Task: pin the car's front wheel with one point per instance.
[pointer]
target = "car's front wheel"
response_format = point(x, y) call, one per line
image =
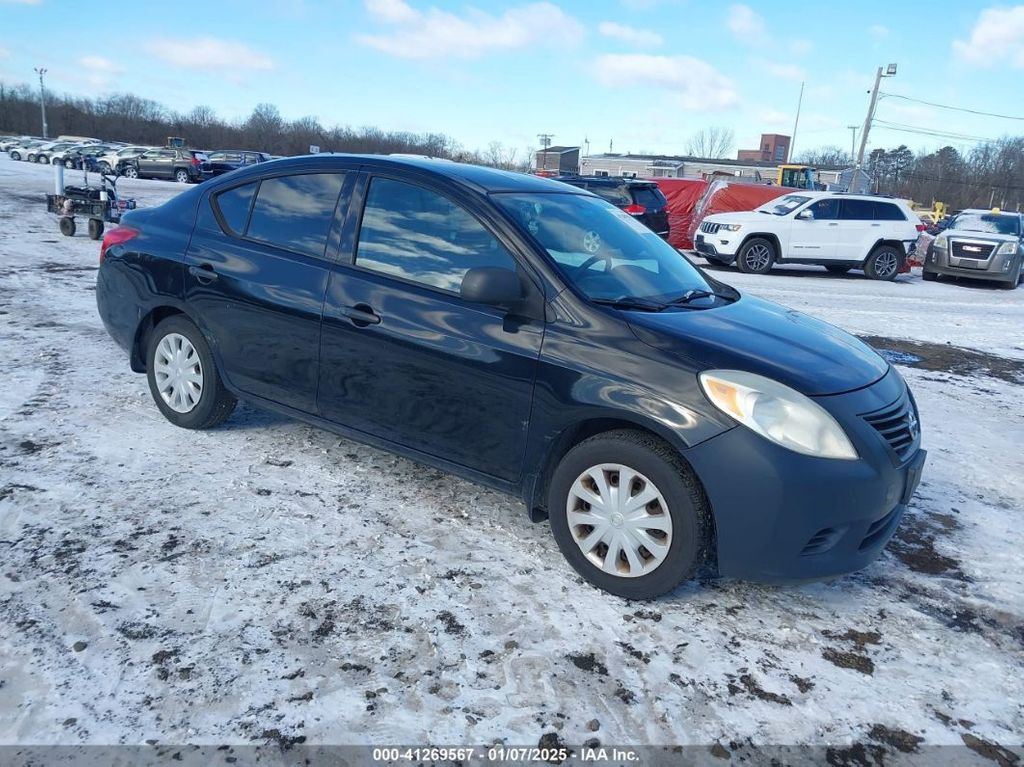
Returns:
point(628, 514)
point(756, 256)
point(183, 377)
point(929, 276)
point(181, 176)
point(130, 172)
point(884, 263)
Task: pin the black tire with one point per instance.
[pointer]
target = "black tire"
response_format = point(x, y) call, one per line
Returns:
point(836, 269)
point(95, 228)
point(686, 506)
point(181, 176)
point(215, 402)
point(67, 226)
point(15, 155)
point(756, 256)
point(884, 263)
point(130, 171)
point(929, 276)
point(43, 159)
point(105, 167)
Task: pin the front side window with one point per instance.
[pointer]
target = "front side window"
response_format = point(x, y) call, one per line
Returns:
point(825, 210)
point(296, 212)
point(857, 210)
point(616, 195)
point(416, 234)
point(602, 250)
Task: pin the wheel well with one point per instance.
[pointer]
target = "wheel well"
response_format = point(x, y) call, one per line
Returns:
point(150, 321)
point(773, 239)
point(565, 442)
point(892, 243)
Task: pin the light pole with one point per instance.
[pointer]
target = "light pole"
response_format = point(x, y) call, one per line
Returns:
point(853, 142)
point(890, 71)
point(545, 142)
point(42, 96)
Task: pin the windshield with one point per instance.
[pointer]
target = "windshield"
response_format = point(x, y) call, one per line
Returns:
point(603, 251)
point(783, 205)
point(991, 223)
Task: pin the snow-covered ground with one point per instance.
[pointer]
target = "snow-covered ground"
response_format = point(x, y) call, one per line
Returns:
point(267, 581)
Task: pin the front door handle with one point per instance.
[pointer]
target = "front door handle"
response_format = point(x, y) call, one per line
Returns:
point(361, 315)
point(204, 274)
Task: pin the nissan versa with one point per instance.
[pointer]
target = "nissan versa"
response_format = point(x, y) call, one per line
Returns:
point(530, 336)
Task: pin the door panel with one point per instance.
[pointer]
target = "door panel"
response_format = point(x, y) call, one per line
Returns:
point(857, 229)
point(262, 309)
point(816, 238)
point(405, 359)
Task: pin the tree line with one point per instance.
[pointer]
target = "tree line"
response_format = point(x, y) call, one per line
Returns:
point(989, 174)
point(134, 120)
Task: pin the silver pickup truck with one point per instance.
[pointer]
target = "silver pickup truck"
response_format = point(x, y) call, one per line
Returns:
point(980, 244)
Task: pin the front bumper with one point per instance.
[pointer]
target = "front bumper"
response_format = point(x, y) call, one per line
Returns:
point(780, 515)
point(720, 248)
point(997, 266)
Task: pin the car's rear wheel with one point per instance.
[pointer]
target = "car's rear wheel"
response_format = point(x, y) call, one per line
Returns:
point(884, 263)
point(836, 269)
point(756, 256)
point(130, 172)
point(181, 176)
point(183, 377)
point(628, 514)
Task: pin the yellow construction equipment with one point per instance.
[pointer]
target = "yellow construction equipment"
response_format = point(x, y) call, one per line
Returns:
point(796, 176)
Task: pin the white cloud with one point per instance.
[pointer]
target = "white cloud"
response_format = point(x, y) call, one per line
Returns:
point(22, 2)
point(439, 34)
point(784, 71)
point(997, 36)
point(774, 118)
point(98, 71)
point(695, 84)
point(211, 54)
point(878, 31)
point(641, 37)
point(4, 53)
point(745, 24)
point(800, 46)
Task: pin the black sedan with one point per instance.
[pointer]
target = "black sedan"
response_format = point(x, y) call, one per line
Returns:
point(530, 336)
point(224, 161)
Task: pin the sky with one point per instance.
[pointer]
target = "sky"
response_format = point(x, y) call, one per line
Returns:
point(644, 74)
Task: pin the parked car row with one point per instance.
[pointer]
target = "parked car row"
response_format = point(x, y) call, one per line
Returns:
point(131, 161)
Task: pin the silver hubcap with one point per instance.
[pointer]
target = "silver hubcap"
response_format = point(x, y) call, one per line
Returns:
point(619, 519)
point(758, 257)
point(178, 372)
point(886, 263)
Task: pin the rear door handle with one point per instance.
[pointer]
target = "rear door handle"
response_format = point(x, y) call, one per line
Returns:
point(361, 315)
point(204, 274)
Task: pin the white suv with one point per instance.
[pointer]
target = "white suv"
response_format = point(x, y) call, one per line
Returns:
point(836, 230)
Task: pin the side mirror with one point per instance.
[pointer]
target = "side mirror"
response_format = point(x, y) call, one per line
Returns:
point(492, 285)
point(805, 215)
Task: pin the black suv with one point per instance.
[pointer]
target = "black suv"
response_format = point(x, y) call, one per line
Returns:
point(180, 165)
point(640, 199)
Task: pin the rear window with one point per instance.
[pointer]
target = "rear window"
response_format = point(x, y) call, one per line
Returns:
point(233, 207)
point(886, 211)
point(857, 210)
point(616, 195)
point(649, 197)
point(296, 212)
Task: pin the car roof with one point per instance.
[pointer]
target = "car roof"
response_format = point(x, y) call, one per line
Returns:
point(481, 179)
point(606, 180)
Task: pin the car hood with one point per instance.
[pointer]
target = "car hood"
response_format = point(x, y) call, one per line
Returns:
point(757, 336)
point(738, 217)
point(967, 234)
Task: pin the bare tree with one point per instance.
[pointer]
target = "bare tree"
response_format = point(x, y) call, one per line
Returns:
point(712, 143)
point(825, 157)
point(498, 155)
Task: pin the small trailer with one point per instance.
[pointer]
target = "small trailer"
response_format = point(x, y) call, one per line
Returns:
point(99, 204)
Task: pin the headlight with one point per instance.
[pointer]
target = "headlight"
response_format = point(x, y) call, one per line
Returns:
point(1007, 249)
point(777, 413)
point(940, 243)
point(729, 227)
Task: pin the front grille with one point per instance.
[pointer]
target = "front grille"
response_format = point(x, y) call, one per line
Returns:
point(977, 250)
point(709, 228)
point(898, 425)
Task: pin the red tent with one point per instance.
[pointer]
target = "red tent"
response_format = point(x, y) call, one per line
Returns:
point(683, 194)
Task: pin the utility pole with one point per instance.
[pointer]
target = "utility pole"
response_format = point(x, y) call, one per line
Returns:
point(890, 71)
point(545, 142)
point(42, 96)
point(853, 142)
point(796, 123)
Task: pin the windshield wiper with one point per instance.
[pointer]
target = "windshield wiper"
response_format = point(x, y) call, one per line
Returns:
point(693, 295)
point(631, 302)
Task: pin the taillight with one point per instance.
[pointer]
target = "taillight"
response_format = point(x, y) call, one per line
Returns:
point(195, 160)
point(922, 227)
point(116, 236)
point(635, 210)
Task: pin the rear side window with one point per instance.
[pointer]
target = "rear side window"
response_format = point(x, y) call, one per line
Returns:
point(419, 235)
point(616, 195)
point(296, 212)
point(233, 207)
point(886, 211)
point(857, 210)
point(649, 197)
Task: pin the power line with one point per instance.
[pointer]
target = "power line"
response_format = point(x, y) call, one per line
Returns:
point(926, 131)
point(952, 108)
